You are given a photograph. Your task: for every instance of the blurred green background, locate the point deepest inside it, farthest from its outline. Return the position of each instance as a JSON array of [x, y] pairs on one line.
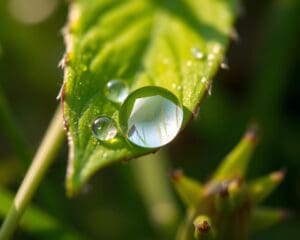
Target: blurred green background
[[262, 85]]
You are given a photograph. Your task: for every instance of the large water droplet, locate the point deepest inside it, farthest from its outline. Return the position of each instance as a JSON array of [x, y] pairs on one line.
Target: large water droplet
[[104, 128], [116, 91], [151, 117]]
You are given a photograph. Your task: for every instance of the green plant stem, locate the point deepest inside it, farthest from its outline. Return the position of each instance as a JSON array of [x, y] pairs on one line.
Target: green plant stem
[[41, 162]]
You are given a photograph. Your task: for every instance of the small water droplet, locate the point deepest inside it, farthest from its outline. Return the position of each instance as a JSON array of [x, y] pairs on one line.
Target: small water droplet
[[204, 79], [210, 63], [216, 48], [104, 128], [211, 57], [174, 85], [151, 117], [197, 53], [116, 90]]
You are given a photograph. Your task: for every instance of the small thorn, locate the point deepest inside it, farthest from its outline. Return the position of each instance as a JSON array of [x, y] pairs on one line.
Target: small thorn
[[61, 92], [64, 30], [209, 88], [176, 175], [67, 57], [195, 113], [62, 63]]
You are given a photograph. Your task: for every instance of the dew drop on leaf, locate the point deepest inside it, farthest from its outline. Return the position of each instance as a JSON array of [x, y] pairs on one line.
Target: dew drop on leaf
[[151, 117], [203, 79], [197, 53], [211, 57], [104, 128], [116, 91]]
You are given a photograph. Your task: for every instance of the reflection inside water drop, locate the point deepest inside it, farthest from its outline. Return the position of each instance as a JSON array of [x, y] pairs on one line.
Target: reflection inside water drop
[[104, 128], [151, 117], [116, 90]]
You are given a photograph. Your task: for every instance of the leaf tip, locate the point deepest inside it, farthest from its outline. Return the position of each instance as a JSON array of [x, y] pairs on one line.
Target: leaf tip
[[252, 133], [278, 176]]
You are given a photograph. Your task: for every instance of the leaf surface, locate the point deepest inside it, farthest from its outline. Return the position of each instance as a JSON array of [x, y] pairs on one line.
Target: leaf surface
[[142, 42]]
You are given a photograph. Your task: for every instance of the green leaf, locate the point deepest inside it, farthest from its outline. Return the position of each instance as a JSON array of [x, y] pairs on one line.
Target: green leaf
[[144, 43]]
